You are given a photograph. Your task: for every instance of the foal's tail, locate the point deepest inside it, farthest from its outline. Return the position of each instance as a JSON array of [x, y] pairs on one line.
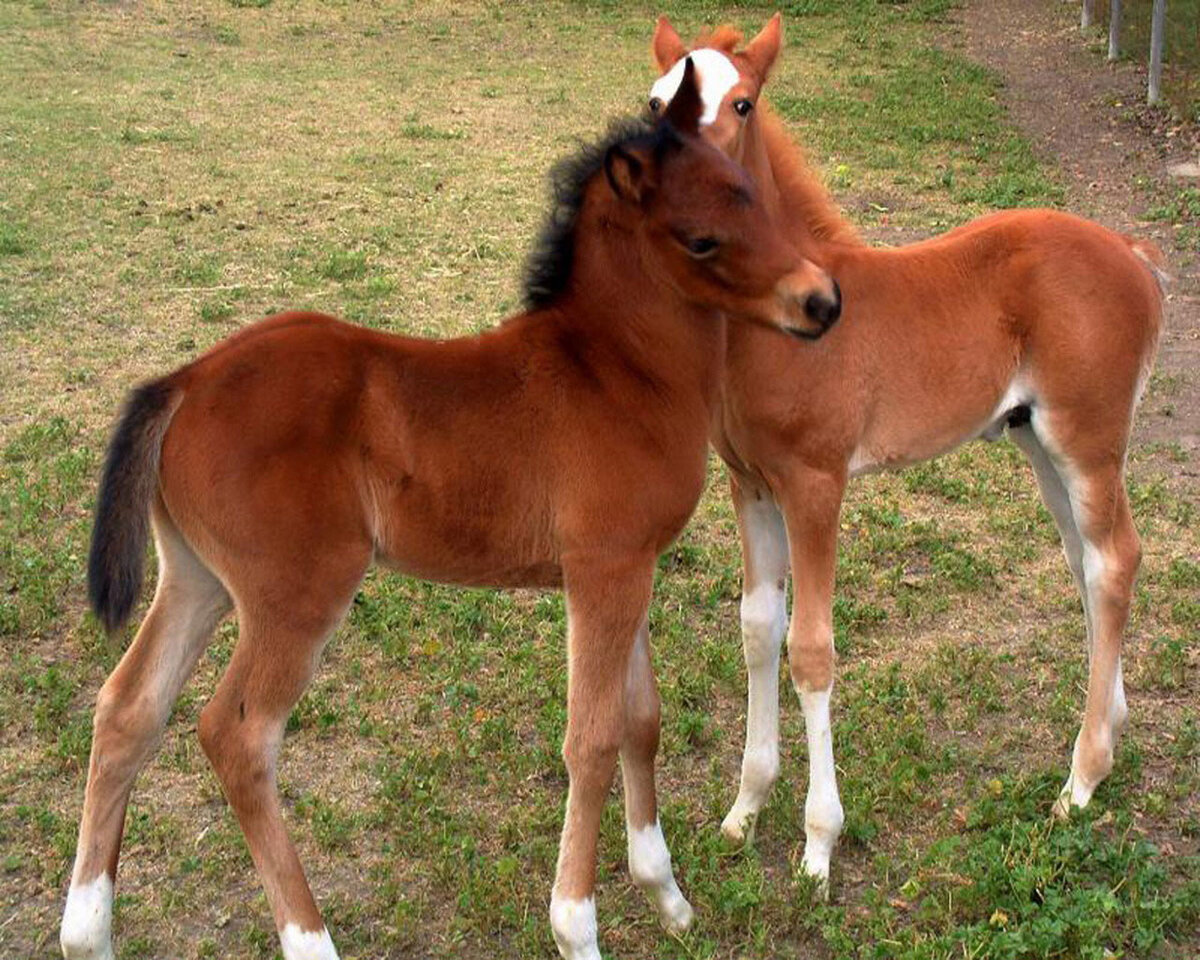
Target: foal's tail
[[1147, 251], [123, 505]]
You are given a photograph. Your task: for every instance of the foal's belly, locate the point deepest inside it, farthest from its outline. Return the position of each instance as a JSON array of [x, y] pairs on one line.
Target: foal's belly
[[470, 540], [903, 436]]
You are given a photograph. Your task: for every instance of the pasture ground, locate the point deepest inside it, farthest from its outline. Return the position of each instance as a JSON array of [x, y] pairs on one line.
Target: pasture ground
[[169, 173]]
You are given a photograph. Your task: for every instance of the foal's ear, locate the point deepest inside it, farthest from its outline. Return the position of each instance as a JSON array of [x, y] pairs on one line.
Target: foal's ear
[[667, 46], [685, 107], [628, 174], [764, 48]]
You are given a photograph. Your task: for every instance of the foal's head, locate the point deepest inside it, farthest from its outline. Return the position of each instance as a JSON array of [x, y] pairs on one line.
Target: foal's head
[[698, 224], [730, 79]]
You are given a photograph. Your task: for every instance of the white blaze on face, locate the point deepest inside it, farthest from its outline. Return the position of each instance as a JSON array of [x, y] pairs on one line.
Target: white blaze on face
[[715, 73]]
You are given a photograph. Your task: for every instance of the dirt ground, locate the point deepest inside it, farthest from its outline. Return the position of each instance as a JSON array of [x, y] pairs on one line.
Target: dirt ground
[[1088, 118]]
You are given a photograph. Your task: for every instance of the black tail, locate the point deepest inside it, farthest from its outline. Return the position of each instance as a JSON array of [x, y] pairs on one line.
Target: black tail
[[123, 504]]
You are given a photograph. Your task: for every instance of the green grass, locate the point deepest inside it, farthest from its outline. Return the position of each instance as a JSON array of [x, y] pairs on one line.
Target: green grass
[[166, 179]]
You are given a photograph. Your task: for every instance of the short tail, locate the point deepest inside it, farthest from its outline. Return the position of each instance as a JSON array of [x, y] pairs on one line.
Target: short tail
[[115, 561], [1152, 257]]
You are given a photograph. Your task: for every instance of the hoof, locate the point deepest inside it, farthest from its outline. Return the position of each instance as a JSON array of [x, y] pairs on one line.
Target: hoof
[[738, 829], [1075, 793], [677, 915], [817, 870]]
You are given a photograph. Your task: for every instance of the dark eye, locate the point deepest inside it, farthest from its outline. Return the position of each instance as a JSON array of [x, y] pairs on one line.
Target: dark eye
[[702, 247], [655, 104], [743, 107]]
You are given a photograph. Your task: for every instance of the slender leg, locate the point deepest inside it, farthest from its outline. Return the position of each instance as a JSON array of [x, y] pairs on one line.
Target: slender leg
[[131, 711], [606, 606], [764, 622], [1057, 498], [649, 858], [1111, 557], [812, 508], [1092, 474], [241, 730]]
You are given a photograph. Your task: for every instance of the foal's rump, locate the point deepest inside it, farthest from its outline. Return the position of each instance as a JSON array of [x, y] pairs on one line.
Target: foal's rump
[[1094, 313], [969, 331]]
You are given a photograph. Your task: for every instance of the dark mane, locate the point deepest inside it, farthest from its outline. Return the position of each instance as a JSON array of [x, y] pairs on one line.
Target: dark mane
[[548, 266]]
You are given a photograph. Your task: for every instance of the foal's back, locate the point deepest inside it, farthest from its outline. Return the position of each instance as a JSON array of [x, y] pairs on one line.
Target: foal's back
[[943, 339], [471, 460]]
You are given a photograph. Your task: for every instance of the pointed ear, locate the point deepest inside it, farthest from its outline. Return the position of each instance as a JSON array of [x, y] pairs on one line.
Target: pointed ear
[[686, 106], [764, 48], [667, 47], [628, 174]]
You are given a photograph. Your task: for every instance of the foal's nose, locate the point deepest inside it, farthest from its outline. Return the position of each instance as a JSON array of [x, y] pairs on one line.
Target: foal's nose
[[824, 309]]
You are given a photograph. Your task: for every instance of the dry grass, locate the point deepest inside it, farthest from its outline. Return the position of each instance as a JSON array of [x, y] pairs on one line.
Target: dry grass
[[171, 173]]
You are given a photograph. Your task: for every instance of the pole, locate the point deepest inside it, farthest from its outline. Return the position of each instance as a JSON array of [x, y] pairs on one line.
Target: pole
[[1158, 36], [1114, 30]]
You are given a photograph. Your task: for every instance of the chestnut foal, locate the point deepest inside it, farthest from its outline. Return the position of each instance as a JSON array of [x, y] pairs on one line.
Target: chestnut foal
[[1028, 319], [567, 447]]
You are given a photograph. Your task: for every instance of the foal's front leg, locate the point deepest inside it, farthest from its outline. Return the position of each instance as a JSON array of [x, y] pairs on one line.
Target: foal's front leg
[[812, 506], [764, 622], [606, 606], [649, 858]]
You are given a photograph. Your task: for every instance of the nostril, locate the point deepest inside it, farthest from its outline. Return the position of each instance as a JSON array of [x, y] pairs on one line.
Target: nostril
[[824, 310]]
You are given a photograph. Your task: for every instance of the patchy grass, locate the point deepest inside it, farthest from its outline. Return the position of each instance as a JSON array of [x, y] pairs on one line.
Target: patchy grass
[[171, 174]]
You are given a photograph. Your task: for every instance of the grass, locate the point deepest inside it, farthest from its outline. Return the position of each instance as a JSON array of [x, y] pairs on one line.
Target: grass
[[169, 176]]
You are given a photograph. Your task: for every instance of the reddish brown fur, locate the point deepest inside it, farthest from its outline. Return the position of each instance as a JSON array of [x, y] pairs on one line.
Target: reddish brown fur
[[568, 446], [932, 336]]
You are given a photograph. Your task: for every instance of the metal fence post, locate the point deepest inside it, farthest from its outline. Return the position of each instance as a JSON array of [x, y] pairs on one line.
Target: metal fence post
[[1158, 38]]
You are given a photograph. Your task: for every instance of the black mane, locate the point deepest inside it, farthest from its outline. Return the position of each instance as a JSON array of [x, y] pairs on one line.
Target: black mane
[[548, 266]]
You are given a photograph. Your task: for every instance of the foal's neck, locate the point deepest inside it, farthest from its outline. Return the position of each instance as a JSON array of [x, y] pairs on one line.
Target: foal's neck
[[790, 186], [616, 296]]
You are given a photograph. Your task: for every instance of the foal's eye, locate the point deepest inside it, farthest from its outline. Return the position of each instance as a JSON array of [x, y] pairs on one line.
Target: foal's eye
[[702, 247], [743, 107], [655, 104]]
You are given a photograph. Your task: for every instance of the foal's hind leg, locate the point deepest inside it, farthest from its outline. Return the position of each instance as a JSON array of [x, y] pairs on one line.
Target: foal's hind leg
[[606, 607], [1057, 498], [283, 629], [764, 622], [131, 712], [1111, 554], [649, 858]]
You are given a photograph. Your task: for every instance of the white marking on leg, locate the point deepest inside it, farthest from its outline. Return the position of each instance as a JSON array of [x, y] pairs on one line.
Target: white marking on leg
[[650, 867], [1089, 567], [764, 623], [86, 932], [823, 816], [715, 73], [1120, 709], [1053, 486], [574, 925], [1078, 790], [300, 944]]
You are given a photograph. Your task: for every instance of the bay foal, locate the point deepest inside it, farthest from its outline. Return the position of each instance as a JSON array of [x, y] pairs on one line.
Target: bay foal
[[1032, 320], [567, 447]]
